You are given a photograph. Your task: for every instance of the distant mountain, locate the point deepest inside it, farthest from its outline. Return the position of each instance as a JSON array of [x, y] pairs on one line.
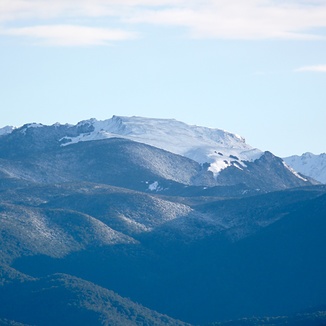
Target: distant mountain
[[201, 144], [308, 164], [155, 154], [6, 130]]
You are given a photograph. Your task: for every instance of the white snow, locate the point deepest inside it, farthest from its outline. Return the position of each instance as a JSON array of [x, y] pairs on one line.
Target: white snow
[[309, 164], [35, 125], [31, 125], [201, 144], [154, 186], [294, 172], [6, 130]]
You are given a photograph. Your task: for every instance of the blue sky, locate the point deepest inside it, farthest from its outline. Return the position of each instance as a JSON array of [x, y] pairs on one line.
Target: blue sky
[[256, 67]]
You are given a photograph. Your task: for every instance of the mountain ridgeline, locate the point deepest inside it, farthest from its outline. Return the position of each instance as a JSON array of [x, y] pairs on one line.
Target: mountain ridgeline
[[309, 164], [191, 224], [119, 152]]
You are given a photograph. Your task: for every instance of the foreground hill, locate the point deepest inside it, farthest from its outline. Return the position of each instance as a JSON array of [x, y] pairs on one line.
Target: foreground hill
[[200, 262], [66, 300]]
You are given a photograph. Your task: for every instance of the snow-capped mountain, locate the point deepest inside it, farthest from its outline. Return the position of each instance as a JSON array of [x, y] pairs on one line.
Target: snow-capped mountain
[[163, 149], [201, 144], [309, 164]]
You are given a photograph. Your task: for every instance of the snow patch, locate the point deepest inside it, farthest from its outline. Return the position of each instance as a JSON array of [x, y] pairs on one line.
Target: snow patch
[[154, 186], [34, 125]]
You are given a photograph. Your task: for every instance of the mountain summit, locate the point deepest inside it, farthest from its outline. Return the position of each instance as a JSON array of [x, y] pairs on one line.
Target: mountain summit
[[311, 165], [201, 144]]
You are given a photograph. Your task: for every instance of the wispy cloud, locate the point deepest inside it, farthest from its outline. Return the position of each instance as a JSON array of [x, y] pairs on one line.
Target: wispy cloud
[[70, 35], [317, 68], [239, 21], [220, 19]]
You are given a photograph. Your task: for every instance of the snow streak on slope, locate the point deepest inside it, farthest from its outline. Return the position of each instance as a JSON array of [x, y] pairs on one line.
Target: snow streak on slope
[[311, 165], [201, 144], [294, 172]]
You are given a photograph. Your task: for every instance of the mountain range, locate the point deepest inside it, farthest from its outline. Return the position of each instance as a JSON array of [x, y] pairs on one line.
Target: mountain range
[[137, 221], [309, 164]]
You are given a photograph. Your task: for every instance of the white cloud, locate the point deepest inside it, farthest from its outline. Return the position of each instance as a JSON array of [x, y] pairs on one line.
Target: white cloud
[[234, 19], [317, 68], [70, 35], [220, 19]]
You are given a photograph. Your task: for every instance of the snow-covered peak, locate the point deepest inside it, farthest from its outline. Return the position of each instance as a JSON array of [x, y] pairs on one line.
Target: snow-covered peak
[[27, 126], [6, 130], [309, 164], [34, 125], [202, 144]]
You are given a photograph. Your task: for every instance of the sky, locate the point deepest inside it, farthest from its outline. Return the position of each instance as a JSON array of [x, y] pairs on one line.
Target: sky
[[256, 68]]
